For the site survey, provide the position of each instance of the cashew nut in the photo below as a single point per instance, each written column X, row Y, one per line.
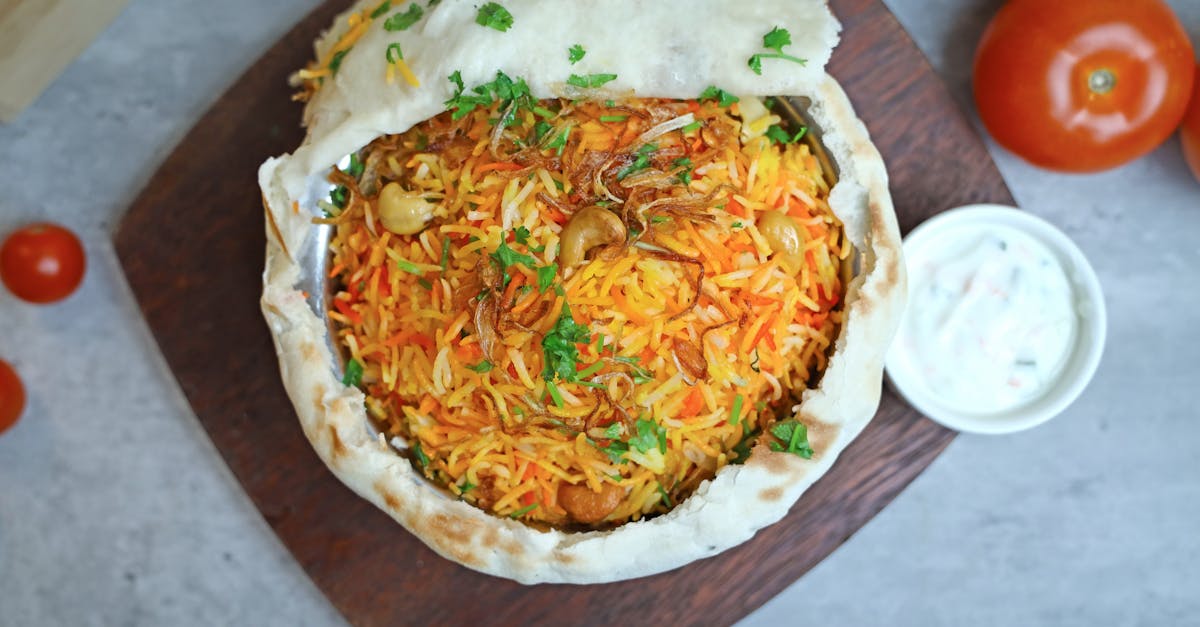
column 783, row 235
column 403, row 213
column 587, row 229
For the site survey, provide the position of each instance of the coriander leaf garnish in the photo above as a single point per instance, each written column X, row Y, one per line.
column 505, row 257
column 482, row 367
column 723, row 98
column 649, row 435
column 685, row 174
column 401, row 21
column 422, row 458
column 559, row 141
column 590, row 80
column 641, row 162
column 502, row 88
column 793, row 438
column 616, row 451
column 521, row 234
column 545, row 276
column 774, row 40
column 560, row 347
column 613, row 431
column 394, row 53
column 335, row 63
column 353, row 375
column 691, row 127
column 383, row 7
column 492, row 15
column 355, row 168
column 779, row 136
column 575, row 53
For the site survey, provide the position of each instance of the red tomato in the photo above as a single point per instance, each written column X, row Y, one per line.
column 12, row 396
column 1083, row 86
column 42, row 263
column 1189, row 133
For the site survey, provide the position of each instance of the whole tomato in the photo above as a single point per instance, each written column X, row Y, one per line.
column 1189, row 132
column 42, row 263
column 1085, row 85
column 12, row 396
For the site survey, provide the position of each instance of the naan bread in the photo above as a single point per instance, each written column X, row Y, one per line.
column 657, row 49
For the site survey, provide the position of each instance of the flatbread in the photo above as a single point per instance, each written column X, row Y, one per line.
column 657, row 49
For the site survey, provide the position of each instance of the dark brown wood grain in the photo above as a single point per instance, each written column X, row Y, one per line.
column 192, row 247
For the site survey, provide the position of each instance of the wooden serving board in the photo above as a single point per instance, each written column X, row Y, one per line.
column 192, row 247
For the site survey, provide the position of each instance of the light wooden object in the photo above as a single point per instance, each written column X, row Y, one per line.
column 38, row 38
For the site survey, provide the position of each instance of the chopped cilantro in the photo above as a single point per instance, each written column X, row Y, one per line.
column 545, row 276
column 560, row 347
column 777, row 39
column 665, row 497
column 741, row 451
column 641, row 162
column 401, row 21
column 590, row 80
column 502, row 88
column 735, row 414
column 336, row 62
column 691, row 127
column 616, row 451
column 685, row 174
column 774, row 40
column 492, row 15
column 659, row 219
column 338, row 196
column 422, row 141
column 613, row 431
column 575, row 53
column 394, row 53
column 737, row 225
column 422, row 458
column 383, row 7
column 779, row 136
column 466, row 487
column 521, row 234
column 613, row 118
column 408, row 266
column 793, row 438
column 356, row 166
column 560, row 140
column 723, row 98
column 353, row 375
column 482, row 367
column 540, row 128
column 649, row 435
column 506, row 257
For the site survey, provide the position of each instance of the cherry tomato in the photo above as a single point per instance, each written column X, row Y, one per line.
column 1189, row 133
column 42, row 263
column 12, row 396
column 1083, row 86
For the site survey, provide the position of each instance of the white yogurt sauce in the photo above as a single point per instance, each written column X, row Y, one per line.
column 990, row 320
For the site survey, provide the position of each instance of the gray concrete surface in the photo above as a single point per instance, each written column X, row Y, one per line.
column 116, row 510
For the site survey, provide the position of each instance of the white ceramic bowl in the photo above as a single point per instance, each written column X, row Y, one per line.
column 1083, row 356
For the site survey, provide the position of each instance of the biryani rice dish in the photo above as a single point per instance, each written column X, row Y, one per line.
column 573, row 312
